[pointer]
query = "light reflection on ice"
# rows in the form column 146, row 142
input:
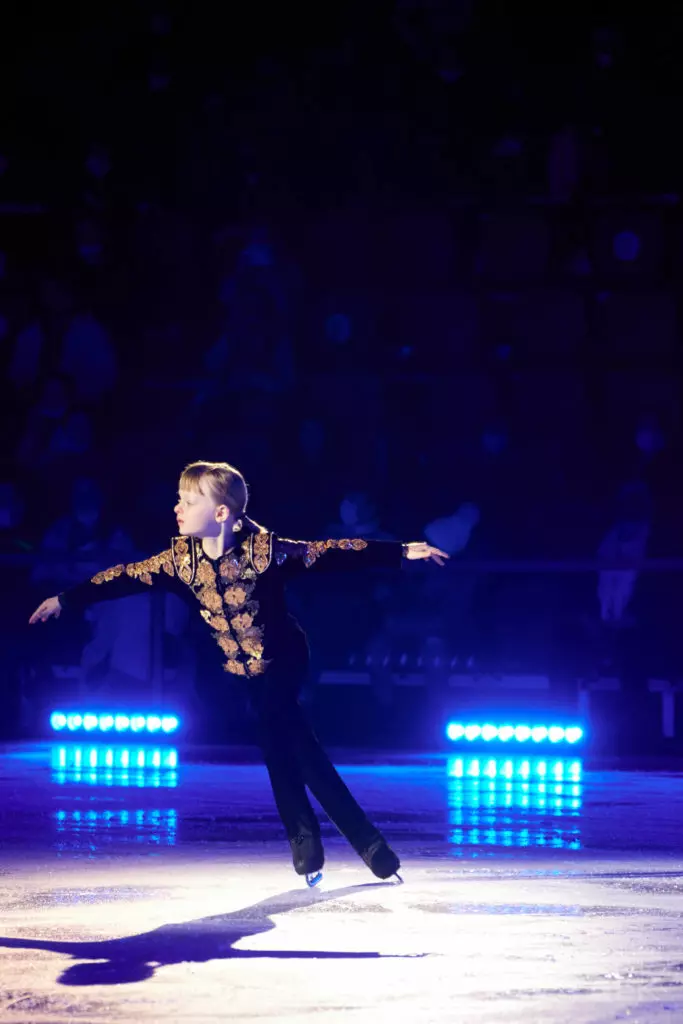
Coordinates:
column 507, row 802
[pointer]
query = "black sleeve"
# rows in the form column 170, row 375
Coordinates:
column 121, row 581
column 293, row 556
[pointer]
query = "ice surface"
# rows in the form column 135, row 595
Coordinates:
column 535, row 894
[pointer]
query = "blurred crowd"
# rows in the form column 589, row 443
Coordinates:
column 398, row 302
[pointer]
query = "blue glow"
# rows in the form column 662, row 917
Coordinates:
column 491, row 733
column 110, row 766
column 104, row 722
column 513, row 802
column 157, row 826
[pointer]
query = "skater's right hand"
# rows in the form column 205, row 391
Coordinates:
column 47, row 610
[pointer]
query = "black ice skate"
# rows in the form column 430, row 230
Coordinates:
column 381, row 859
column 308, row 856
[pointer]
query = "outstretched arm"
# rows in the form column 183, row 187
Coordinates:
column 347, row 555
column 118, row 581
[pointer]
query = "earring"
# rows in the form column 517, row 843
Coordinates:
column 236, row 527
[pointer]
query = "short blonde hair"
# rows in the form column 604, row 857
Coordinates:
column 222, row 482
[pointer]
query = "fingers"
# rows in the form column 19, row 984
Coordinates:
column 42, row 614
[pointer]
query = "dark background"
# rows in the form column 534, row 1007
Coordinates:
column 401, row 263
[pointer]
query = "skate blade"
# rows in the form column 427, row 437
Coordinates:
column 313, row 880
column 399, row 880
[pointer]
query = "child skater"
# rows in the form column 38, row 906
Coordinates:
column 237, row 571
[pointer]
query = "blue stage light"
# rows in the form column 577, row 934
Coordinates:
column 120, row 722
column 493, row 734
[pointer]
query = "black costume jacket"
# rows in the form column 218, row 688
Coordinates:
column 241, row 595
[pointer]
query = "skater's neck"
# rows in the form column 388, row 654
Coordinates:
column 216, row 546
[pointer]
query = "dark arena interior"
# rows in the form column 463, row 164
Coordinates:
column 402, row 282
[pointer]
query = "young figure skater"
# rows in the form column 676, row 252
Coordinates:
column 237, row 571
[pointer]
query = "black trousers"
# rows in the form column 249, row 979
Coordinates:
column 295, row 761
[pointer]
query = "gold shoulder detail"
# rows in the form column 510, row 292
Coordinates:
column 142, row 570
column 184, row 560
column 108, row 574
column 261, row 550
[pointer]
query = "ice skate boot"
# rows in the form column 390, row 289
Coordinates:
column 381, row 859
column 308, row 857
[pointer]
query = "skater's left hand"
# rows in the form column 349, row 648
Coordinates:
column 425, row 551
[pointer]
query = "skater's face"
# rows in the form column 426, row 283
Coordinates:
column 198, row 515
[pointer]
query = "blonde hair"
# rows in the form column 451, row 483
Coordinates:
column 222, row 482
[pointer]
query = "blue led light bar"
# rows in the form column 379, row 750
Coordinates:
column 534, row 734
column 113, row 722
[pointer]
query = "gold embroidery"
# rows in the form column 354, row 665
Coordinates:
column 227, row 644
column 241, row 622
column 350, row 545
column 235, row 667
column 108, row 574
column 143, row 570
column 252, row 645
column 239, row 639
column 184, row 561
column 229, row 569
column 316, row 548
column 210, row 598
column 220, row 623
column 237, row 595
column 206, row 573
column 261, row 551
